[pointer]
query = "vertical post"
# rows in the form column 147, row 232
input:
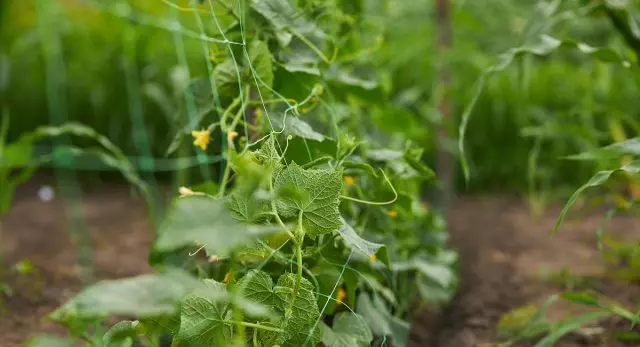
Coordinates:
column 444, row 158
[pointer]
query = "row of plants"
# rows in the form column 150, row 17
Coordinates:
column 616, row 179
column 536, row 110
column 311, row 228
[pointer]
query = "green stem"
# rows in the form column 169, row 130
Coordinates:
column 253, row 325
column 296, row 288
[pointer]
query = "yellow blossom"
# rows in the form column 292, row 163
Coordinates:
column 232, row 135
column 373, row 257
column 392, row 214
column 214, row 259
column 202, row 138
column 349, row 180
column 341, row 295
column 184, row 191
column 258, row 112
column 227, row 278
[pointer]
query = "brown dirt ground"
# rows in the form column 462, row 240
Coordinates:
column 502, row 250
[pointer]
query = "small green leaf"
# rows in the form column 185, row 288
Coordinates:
column 349, row 330
column 208, row 221
column 140, row 296
column 320, row 199
column 381, row 321
column 226, row 78
column 122, row 334
column 203, row 318
column 297, row 127
column 360, row 166
column 440, row 273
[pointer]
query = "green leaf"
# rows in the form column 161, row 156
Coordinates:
column 440, row 273
column 257, row 286
column 318, row 206
column 598, row 179
column 297, row 127
column 48, row 341
column 262, row 63
column 360, row 166
column 300, row 328
column 353, row 241
column 122, row 334
column 226, row 79
column 140, row 296
column 285, row 19
column 384, row 154
column 582, row 298
column 381, row 321
column 203, row 319
column 349, row 330
column 568, row 326
column 614, row 151
column 209, row 222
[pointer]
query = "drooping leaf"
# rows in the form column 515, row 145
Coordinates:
column 349, row 330
column 353, row 241
column 614, row 151
column 285, row 19
column 203, row 319
column 598, row 179
column 208, row 221
column 570, row 325
column 122, row 334
column 381, row 321
column 384, row 154
column 319, row 201
column 140, row 296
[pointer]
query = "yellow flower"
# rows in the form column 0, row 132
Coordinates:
column 318, row 89
column 341, row 295
column 184, row 191
column 258, row 112
column 202, row 138
column 227, row 278
column 214, row 259
column 392, row 214
column 349, row 180
column 373, row 257
column 232, row 135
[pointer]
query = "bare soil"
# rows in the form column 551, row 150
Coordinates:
column 502, row 252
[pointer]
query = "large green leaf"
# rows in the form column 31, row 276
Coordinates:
column 437, row 271
column 208, row 221
column 300, row 328
column 204, row 319
column 349, row 330
column 140, row 296
column 317, row 206
column 285, row 20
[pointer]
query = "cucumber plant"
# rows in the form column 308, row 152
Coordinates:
column 310, row 235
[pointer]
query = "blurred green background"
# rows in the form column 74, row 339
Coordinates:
column 531, row 115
